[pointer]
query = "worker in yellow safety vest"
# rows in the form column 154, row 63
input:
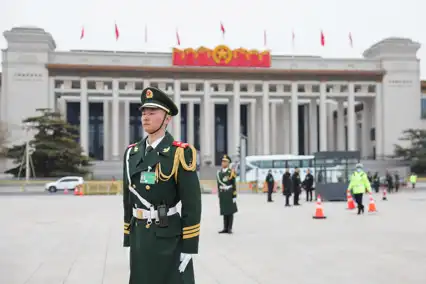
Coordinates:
column 413, row 180
column 358, row 185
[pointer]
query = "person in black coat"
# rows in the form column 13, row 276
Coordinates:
column 270, row 184
column 397, row 182
column 287, row 186
column 389, row 182
column 296, row 182
column 376, row 182
column 308, row 185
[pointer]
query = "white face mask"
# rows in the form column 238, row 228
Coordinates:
column 358, row 170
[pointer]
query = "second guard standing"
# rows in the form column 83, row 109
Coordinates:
column 227, row 189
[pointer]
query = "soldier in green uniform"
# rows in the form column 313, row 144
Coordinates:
column 227, row 188
column 158, row 174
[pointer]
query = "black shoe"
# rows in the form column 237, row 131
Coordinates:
column 230, row 222
column 224, row 231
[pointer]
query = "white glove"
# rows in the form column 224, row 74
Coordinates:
column 234, row 199
column 184, row 258
column 127, row 253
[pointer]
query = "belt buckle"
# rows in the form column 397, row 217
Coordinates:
column 139, row 213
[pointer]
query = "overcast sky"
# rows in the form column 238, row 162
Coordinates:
column 198, row 23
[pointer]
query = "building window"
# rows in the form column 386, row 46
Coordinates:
column 122, row 85
column 258, row 88
column 184, row 87
column 229, row 88
column 199, row 87
column 139, row 86
column 371, row 88
column 273, row 88
column 243, row 88
column 423, row 108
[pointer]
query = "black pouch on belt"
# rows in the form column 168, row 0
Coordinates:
column 163, row 219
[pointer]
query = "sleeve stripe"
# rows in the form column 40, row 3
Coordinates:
column 191, row 227
column 189, row 236
column 191, row 231
column 127, row 232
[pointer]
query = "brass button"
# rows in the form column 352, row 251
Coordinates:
column 147, row 187
column 134, row 186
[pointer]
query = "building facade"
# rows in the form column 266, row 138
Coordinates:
column 300, row 105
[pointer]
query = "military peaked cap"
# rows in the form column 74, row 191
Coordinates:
column 155, row 98
column 226, row 158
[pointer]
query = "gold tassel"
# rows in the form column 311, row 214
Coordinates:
column 179, row 158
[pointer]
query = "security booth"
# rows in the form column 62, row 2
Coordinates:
column 332, row 173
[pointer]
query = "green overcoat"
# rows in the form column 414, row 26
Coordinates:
column 227, row 190
column 154, row 251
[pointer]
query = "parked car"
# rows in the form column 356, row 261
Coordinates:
column 69, row 183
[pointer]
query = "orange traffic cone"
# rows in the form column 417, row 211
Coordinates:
column 66, row 190
column 372, row 205
column 80, row 188
column 319, row 212
column 76, row 191
column 351, row 203
column 384, row 194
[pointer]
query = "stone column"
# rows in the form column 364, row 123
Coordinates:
column 274, row 129
column 236, row 119
column 84, row 117
column 107, row 127
column 176, row 119
column 323, row 117
column 313, row 127
column 127, row 123
column 330, row 128
column 294, row 120
column 190, row 122
column 115, row 122
column 287, row 126
column 379, row 121
column 208, row 132
column 351, row 118
column 265, row 119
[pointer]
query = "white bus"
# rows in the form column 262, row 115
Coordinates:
column 257, row 167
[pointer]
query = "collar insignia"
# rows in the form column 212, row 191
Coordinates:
column 165, row 150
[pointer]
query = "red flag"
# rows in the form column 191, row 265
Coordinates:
column 264, row 38
column 82, row 33
column 117, row 32
column 222, row 28
column 177, row 37
column 322, row 38
column 146, row 33
column 350, row 40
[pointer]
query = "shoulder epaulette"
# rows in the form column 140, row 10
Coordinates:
column 180, row 144
column 131, row 145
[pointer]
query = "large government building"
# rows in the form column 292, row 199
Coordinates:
column 283, row 104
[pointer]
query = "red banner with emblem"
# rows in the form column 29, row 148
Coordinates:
column 221, row 56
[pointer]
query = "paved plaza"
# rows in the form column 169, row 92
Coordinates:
column 54, row 239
